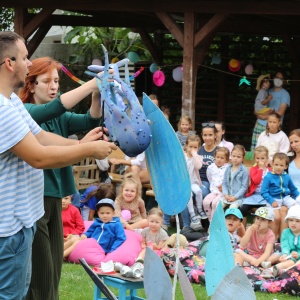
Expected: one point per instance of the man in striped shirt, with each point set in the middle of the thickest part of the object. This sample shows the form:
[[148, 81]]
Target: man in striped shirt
[[26, 149]]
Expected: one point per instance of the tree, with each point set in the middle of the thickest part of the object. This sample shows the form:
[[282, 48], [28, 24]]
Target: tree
[[117, 41], [6, 19]]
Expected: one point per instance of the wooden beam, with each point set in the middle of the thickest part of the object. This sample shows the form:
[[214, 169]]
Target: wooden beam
[[237, 25], [19, 20], [189, 67], [209, 28], [147, 40], [37, 21], [105, 20], [172, 26], [36, 39], [250, 7]]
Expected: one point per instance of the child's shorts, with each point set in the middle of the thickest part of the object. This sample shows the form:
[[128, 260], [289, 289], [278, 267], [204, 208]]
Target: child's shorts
[[287, 201]]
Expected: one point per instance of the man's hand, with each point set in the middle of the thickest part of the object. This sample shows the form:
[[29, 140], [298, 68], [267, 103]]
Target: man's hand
[[95, 135], [101, 149]]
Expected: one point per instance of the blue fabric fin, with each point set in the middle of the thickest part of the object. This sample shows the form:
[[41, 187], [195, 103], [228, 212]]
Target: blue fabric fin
[[157, 282], [234, 286], [219, 256], [166, 162]]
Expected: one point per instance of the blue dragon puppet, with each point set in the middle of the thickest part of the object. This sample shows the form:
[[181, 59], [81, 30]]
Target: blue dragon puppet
[[123, 115]]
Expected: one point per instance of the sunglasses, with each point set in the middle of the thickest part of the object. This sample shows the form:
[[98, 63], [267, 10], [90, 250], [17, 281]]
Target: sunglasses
[[209, 125]]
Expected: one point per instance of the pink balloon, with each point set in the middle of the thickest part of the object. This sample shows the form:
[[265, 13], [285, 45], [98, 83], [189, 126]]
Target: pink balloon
[[159, 78], [249, 69]]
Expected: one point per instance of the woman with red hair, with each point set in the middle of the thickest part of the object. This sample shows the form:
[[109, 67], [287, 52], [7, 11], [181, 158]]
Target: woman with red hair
[[49, 109]]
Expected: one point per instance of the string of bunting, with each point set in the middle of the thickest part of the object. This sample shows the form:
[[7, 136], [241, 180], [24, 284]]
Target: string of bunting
[[234, 66]]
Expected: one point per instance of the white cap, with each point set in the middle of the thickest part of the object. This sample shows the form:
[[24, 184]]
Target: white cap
[[293, 213]]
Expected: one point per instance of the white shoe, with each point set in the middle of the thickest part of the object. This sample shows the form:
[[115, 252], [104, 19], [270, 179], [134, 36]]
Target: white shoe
[[266, 264], [195, 223]]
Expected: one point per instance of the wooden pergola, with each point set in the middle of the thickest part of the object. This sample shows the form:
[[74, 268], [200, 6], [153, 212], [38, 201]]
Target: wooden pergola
[[193, 23]]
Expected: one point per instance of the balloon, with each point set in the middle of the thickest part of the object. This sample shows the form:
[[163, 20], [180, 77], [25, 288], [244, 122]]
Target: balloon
[[249, 69], [216, 59], [133, 57], [159, 78], [114, 60], [234, 65], [97, 61], [153, 67], [177, 74]]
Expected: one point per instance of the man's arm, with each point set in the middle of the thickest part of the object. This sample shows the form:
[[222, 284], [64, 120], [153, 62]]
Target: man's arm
[[39, 156], [48, 138], [282, 109]]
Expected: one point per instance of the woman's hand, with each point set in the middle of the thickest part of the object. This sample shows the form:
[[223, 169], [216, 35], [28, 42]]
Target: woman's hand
[[274, 204]]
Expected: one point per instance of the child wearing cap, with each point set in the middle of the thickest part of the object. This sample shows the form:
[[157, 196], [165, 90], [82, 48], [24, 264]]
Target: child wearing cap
[[107, 230], [233, 219], [258, 241], [263, 97], [290, 243]]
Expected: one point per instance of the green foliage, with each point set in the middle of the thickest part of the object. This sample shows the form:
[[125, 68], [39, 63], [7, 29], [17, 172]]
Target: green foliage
[[117, 41], [6, 19]]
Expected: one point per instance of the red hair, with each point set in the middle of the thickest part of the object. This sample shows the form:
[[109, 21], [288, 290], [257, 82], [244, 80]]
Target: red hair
[[39, 66]]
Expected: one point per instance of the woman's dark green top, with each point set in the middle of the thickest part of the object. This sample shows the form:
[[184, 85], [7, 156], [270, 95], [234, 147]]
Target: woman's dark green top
[[54, 117]]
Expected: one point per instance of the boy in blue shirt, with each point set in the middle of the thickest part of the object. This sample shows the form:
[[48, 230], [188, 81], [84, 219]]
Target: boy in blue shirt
[[107, 230]]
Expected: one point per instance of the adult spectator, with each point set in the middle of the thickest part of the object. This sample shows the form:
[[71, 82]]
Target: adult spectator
[[279, 102], [25, 150]]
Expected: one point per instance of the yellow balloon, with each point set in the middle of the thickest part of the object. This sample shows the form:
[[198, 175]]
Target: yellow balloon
[[114, 60]]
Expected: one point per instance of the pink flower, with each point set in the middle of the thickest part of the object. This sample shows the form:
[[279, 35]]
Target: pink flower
[[190, 262], [193, 248], [295, 274], [273, 287], [194, 274]]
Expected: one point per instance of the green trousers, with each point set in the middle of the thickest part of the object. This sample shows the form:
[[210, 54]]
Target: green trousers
[[47, 253]]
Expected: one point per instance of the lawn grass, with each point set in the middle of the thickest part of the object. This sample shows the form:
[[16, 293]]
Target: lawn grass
[[75, 284]]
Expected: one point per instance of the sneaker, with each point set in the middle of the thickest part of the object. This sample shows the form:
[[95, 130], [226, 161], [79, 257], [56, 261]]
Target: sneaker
[[277, 271], [195, 223], [267, 273], [203, 215], [266, 264], [246, 264]]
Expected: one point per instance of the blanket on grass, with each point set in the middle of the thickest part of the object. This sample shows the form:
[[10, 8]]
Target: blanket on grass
[[194, 266]]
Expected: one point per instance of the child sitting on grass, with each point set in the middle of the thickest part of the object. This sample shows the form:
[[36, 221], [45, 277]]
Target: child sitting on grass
[[73, 225], [258, 241], [107, 230], [154, 236], [233, 219], [290, 244]]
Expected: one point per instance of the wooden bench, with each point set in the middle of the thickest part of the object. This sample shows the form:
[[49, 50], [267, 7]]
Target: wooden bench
[[86, 173], [118, 178]]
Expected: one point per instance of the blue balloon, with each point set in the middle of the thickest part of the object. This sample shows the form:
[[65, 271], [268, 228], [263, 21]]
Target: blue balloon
[[153, 67], [133, 57]]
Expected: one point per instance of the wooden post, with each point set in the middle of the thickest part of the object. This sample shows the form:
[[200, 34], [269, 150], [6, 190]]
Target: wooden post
[[19, 20], [189, 67]]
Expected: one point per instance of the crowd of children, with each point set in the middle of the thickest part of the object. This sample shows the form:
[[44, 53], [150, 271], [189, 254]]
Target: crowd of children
[[217, 174]]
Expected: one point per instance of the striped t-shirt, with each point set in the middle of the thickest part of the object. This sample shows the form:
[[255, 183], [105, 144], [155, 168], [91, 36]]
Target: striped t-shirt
[[21, 186]]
